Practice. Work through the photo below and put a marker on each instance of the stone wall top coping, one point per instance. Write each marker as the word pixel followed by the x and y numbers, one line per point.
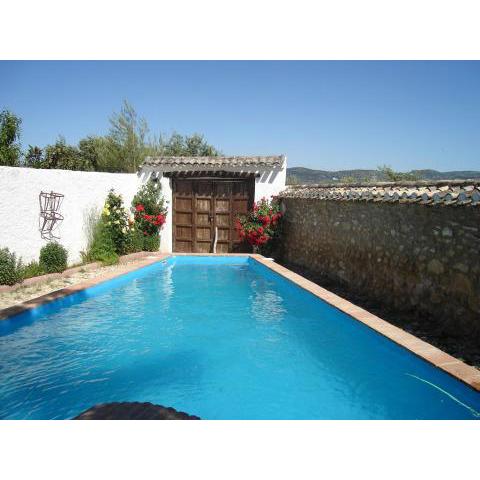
pixel 442 193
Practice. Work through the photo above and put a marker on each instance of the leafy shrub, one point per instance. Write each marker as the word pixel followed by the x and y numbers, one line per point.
pixel 33 269
pixel 102 248
pixel 106 258
pixel 150 213
pixel 134 241
pixel 53 258
pixel 261 226
pixel 151 244
pixel 10 268
pixel 115 218
pixel 110 234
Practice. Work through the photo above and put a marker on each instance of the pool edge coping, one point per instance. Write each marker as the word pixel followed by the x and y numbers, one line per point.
pixel 35 302
pixel 438 358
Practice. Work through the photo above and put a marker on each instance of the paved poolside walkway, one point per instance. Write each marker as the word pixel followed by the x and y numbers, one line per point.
pixel 33 289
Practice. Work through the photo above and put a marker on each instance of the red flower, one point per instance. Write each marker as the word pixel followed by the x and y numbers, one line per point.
pixel 139 208
pixel 265 220
pixel 145 233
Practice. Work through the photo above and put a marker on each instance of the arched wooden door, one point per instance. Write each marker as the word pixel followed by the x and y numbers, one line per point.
pixel 201 205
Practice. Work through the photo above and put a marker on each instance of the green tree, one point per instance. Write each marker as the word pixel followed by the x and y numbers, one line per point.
pixel 128 137
pixel 9 138
pixel 122 150
pixel 34 157
pixel 186 146
pixel 394 176
pixel 90 151
pixel 102 153
pixel 62 156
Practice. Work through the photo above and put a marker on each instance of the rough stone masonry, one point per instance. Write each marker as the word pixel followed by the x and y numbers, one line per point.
pixel 412 246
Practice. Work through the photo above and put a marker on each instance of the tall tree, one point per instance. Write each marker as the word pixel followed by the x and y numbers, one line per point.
pixel 186 146
pixel 128 135
pixel 9 138
pixel 63 156
pixel 91 151
pixel 34 157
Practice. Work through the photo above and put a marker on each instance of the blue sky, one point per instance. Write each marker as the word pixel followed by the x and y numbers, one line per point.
pixel 324 115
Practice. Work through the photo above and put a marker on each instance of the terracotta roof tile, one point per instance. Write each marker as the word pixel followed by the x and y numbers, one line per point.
pixel 444 192
pixel 214 162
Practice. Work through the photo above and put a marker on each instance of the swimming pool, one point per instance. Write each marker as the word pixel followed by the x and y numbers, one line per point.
pixel 217 337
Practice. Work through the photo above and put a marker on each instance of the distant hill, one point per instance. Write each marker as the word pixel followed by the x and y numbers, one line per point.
pixel 301 175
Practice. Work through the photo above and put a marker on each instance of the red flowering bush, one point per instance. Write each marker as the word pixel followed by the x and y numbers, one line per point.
pixel 261 225
pixel 150 213
pixel 149 224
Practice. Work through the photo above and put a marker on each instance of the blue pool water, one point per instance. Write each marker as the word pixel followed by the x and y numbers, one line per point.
pixel 217 337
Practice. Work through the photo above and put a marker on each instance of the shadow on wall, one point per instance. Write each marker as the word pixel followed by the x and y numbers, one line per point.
pixel 269 176
pixel 144 175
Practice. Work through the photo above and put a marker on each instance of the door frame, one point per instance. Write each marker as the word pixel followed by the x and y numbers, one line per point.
pixel 215 178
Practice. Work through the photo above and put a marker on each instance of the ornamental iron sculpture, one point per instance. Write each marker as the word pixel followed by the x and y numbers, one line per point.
pixel 50 218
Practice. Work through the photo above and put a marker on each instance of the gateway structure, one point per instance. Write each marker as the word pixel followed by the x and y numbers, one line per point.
pixel 205 194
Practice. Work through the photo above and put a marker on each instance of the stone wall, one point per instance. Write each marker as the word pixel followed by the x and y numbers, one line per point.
pixel 422 259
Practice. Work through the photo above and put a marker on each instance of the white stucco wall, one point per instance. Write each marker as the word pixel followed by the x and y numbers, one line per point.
pixel 270 182
pixel 19 204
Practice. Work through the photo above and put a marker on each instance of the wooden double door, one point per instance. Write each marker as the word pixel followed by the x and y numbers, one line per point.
pixel 203 206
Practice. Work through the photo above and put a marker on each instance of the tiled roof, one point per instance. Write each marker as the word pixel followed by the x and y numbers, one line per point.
pixel 213 163
pixel 445 192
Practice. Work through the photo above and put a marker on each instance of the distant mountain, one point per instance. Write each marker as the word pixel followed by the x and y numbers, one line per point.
pixel 301 175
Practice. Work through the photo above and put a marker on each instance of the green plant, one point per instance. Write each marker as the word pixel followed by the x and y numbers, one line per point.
pixel 151 244
pixel 9 138
pixel 33 269
pixel 394 176
pixel 34 157
pixel 62 156
pixel 102 248
pixel 134 241
pixel 53 258
pixel 106 258
pixel 10 267
pixel 115 218
pixel 150 212
pixel 261 226
pixel 184 146
pixel 91 217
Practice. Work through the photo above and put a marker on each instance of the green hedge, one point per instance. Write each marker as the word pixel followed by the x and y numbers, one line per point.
pixel 10 268
pixel 53 258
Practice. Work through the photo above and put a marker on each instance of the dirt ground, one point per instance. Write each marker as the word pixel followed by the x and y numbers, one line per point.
pixel 27 292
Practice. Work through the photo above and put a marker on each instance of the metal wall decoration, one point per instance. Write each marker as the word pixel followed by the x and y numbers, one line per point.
pixel 50 218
